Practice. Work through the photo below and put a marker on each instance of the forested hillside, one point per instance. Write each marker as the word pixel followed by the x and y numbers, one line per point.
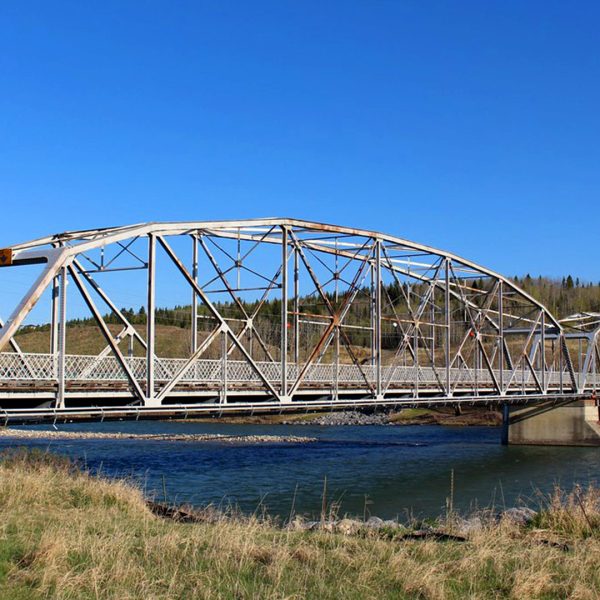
pixel 564 296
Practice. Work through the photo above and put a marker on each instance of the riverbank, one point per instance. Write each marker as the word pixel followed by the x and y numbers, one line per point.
pixel 41 434
pixel 67 534
pixel 445 416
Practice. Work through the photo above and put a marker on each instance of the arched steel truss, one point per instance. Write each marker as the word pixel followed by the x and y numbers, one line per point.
pixel 360 317
pixel 582 332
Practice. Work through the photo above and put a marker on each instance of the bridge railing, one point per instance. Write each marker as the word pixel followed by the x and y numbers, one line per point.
pixel 44 367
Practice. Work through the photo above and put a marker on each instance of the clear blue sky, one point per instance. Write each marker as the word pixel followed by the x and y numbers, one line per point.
pixel 471 126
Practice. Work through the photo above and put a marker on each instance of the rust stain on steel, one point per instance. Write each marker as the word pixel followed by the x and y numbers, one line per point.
pixel 6 257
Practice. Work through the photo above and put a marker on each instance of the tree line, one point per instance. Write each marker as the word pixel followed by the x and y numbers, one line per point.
pixel 563 296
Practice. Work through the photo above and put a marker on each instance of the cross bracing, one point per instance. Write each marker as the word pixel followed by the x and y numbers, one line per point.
pixel 279 312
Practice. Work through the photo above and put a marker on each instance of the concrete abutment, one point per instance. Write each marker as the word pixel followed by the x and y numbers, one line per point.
pixel 576 423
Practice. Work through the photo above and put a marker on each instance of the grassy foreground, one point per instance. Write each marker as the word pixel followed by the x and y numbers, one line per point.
pixel 66 534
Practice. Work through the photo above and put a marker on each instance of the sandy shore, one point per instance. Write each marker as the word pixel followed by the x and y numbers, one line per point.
pixel 7 432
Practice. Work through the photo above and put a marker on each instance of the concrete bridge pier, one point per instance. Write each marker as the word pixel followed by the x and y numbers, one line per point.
pixel 574 423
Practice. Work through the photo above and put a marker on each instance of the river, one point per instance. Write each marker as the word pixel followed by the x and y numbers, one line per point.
pixel 388 471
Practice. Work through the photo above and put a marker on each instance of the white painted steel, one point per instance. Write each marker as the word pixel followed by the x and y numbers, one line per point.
pixel 81 368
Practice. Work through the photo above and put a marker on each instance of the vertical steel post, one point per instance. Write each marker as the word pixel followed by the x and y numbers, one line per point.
pixel 238 262
pixel 54 318
pixel 336 362
pixel 477 357
pixel 372 300
pixel 595 358
pixel 284 310
pixel 150 329
pixel 543 352
pixel 447 323
pixel 62 338
pixel 501 338
pixel 416 352
pixel 561 366
pixel 224 366
pixel 579 364
pixel 433 331
pixel 336 366
pixel 378 316
pixel 296 308
pixel 194 340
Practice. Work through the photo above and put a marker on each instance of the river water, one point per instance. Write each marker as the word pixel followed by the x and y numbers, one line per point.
pixel 388 471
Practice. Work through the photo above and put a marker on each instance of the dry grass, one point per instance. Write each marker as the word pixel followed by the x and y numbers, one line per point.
pixel 66 534
pixel 477 415
pixel 171 341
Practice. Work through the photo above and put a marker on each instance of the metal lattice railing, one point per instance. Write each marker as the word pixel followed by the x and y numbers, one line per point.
pixel 44 367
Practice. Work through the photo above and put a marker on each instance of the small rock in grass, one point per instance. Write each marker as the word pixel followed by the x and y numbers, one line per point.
pixel 466 526
pixel 519 516
pixel 296 524
pixel 391 524
pixel 375 523
pixel 348 526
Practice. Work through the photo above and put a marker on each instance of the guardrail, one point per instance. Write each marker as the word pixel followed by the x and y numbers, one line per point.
pixel 81 368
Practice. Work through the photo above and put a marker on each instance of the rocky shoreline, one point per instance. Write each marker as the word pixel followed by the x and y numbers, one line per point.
pixel 162 437
pixel 455 524
pixel 441 416
pixel 452 526
pixel 345 418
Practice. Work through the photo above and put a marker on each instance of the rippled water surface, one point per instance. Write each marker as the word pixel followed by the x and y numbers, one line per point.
pixel 387 470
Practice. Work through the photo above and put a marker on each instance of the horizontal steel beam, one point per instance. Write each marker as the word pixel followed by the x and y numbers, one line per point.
pixel 190 410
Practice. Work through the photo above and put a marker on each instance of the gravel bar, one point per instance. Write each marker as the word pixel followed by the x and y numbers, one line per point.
pixel 161 437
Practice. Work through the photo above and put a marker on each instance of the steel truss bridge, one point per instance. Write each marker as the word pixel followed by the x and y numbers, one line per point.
pixel 276 314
